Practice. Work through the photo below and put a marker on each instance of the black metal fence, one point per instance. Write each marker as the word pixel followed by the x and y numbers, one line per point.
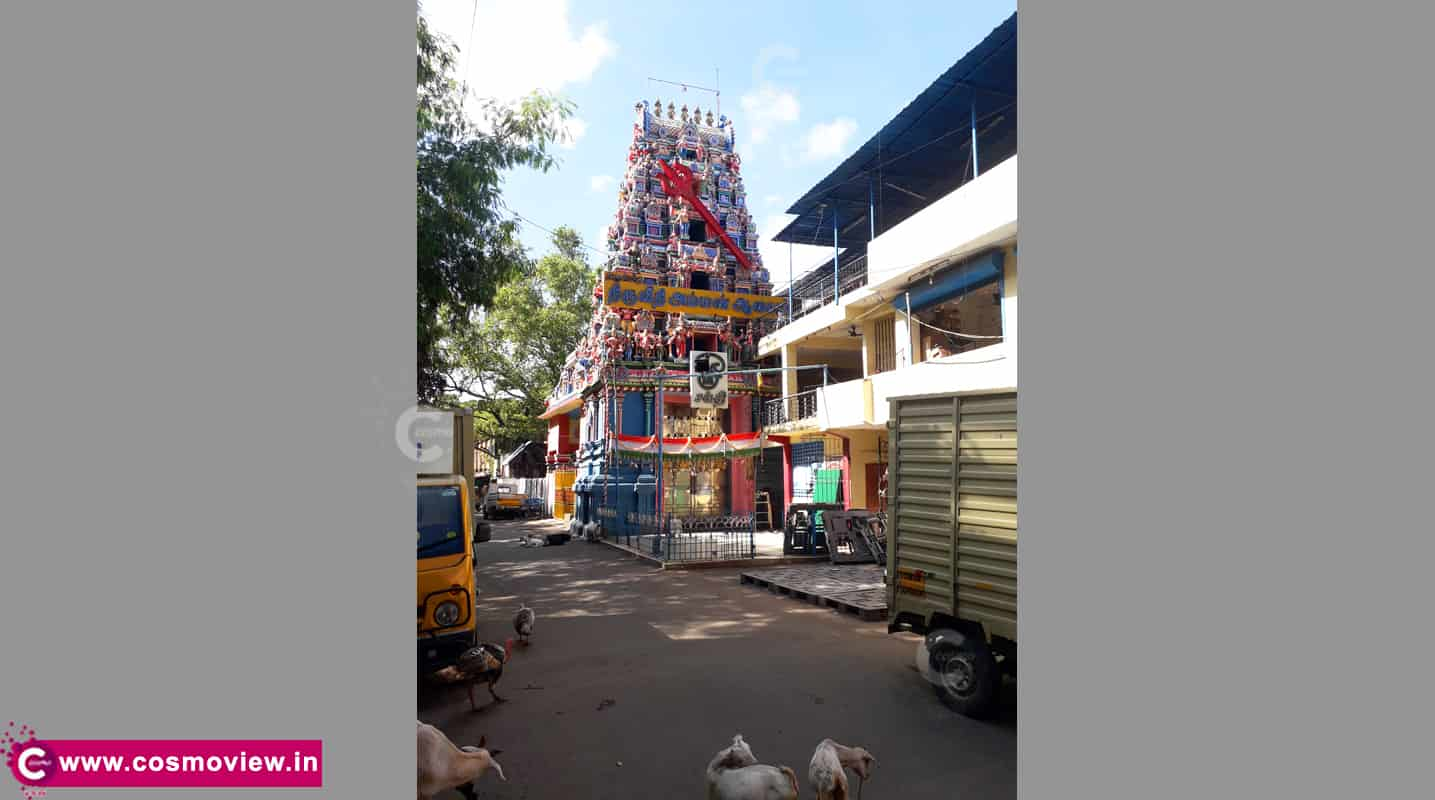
pixel 683 535
pixel 715 537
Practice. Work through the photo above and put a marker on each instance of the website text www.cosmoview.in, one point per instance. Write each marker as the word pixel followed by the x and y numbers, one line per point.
pixel 167 763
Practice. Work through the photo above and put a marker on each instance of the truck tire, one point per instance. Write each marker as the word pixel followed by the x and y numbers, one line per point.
pixel 965 674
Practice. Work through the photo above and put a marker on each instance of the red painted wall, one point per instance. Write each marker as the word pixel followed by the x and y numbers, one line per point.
pixel 740 478
pixel 561 438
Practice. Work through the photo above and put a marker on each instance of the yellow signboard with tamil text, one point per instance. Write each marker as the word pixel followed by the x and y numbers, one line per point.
pixel 670 300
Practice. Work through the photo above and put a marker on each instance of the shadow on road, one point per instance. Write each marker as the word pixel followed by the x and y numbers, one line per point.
pixel 658 669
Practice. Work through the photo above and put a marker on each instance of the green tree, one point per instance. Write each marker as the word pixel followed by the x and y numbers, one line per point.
pixel 466 246
pixel 505 366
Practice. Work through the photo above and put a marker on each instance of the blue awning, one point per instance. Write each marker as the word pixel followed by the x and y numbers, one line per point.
pixel 964 277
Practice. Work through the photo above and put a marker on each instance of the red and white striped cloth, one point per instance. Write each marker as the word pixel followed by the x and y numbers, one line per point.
pixel 737 444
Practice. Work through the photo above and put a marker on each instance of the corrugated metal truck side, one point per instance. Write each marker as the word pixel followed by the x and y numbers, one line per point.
pixel 449 431
pixel 952 553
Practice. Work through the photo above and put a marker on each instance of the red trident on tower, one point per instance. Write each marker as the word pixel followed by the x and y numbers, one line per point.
pixel 678 181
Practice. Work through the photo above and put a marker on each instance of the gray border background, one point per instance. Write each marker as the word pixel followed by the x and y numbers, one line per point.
pixel 206 321
pixel 1224 400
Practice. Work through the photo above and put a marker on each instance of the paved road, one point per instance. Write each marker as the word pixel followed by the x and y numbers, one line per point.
pixel 657 670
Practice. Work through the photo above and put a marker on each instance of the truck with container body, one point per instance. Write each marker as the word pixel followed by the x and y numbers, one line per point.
pixel 952 540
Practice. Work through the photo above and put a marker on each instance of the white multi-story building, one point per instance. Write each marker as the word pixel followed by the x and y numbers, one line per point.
pixel 920 296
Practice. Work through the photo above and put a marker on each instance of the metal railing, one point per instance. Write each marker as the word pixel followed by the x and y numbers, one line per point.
pixel 683 536
pixel 816 289
pixel 793 408
pixel 853 275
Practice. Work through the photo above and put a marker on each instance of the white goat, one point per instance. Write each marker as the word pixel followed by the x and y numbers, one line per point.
pixel 829 780
pixel 734 774
pixel 443 765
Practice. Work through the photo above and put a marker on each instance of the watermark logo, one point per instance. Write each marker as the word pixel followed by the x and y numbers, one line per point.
pixel 31 761
pixel 424 435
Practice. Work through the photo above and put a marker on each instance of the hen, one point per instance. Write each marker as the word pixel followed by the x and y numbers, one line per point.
pixel 523 623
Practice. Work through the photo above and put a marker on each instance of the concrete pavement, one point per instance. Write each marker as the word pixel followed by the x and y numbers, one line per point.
pixel 636 677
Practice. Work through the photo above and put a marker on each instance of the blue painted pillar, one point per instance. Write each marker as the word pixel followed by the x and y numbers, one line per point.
pixel 975 170
pixel 634 414
pixel 871 210
pixel 608 448
pixel 658 429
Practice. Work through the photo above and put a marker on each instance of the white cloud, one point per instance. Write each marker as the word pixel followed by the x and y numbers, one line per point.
pixel 601 183
pixel 772 200
pixel 766 108
pixel 519 45
pixel 599 241
pixel 773 224
pixel 776 255
pixel 828 139
pixel 573 130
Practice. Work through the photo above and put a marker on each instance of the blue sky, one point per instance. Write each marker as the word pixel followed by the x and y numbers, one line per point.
pixel 804 83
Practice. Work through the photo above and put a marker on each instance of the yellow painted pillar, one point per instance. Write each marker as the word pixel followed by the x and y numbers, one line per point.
pixel 789 376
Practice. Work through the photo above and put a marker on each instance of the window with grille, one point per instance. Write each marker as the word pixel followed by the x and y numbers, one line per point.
pixel 884 357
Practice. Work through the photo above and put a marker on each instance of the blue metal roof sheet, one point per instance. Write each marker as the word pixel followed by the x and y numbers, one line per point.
pixel 923 153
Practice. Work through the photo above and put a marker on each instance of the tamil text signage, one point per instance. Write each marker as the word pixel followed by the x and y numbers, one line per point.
pixel 670 300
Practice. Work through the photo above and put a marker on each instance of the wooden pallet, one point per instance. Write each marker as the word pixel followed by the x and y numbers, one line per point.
pixel 855 589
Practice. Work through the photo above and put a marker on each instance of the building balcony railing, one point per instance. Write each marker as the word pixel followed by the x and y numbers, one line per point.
pixel 794 408
pixel 817 289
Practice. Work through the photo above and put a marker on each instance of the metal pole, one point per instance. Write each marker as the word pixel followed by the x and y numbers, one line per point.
pixel 658 430
pixel 835 290
pixel 608 450
pixel 871 210
pixel 789 281
pixel 907 310
pixel 974 138
pixel 1001 295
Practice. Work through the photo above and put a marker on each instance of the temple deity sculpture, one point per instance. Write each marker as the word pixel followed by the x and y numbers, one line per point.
pixel 678 336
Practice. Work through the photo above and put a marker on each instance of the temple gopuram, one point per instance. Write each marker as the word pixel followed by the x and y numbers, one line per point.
pixel 683 276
